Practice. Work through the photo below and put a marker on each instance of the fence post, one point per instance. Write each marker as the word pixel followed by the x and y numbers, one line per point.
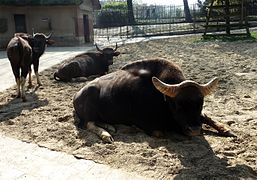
pixel 108 33
pixel 194 17
pixel 120 32
pixel 127 31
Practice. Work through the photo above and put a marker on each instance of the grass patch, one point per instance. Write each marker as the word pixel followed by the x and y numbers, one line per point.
pixel 231 37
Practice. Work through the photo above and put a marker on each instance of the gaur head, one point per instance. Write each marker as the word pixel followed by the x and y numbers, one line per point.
pixel 108 53
pixel 38 42
pixel 186 102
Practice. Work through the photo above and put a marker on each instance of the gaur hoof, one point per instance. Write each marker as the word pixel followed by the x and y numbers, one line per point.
pixel 228 133
pixel 107 138
pixel 224 131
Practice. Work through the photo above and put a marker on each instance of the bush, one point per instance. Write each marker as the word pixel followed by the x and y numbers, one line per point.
pixel 112 18
pixel 115 6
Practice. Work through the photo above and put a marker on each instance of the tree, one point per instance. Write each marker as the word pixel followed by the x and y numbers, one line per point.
pixel 187 12
pixel 131 19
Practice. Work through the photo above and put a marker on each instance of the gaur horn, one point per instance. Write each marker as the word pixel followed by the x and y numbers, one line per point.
pixel 98 49
pixel 166 89
pixel 33 33
pixel 49 35
pixel 207 88
pixel 172 90
pixel 116 47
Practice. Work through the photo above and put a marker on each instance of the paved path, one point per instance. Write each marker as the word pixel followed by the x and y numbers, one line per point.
pixel 20 160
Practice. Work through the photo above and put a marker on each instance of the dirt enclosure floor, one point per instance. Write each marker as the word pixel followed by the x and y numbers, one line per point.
pixel 47 119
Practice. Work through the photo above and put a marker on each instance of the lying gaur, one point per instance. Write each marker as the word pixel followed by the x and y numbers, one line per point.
pixel 150 94
pixel 86 64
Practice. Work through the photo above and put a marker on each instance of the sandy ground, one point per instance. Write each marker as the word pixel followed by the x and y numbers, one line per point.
pixel 47 119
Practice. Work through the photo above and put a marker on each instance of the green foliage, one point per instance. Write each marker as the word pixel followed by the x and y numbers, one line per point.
pixel 111 18
pixel 116 5
pixel 232 37
pixel 254 35
pixel 219 2
pixel 112 14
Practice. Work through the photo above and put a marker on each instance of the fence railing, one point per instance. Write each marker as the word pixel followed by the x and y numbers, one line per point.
pixel 156 20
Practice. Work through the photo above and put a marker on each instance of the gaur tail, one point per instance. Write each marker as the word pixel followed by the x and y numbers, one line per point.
pixel 56 77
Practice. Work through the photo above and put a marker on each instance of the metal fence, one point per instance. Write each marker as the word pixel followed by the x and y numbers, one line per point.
pixel 155 20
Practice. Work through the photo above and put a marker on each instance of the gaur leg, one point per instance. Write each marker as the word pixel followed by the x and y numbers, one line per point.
pixel 79 79
pixel 23 81
pixel 24 72
pixel 221 128
pixel 30 78
pixel 103 134
pixel 16 73
pixel 38 80
pixel 18 87
pixel 35 66
pixel 85 103
pixel 106 126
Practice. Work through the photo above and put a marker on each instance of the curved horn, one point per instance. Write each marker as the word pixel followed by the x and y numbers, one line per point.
pixel 33 33
pixel 166 89
pixel 116 47
pixel 172 90
pixel 49 35
pixel 207 88
pixel 98 49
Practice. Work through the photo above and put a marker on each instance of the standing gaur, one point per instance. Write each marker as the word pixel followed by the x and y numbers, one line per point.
pixel 87 64
pixel 151 94
pixel 23 50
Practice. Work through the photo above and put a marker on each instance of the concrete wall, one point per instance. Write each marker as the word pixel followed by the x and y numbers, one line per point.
pixel 66 22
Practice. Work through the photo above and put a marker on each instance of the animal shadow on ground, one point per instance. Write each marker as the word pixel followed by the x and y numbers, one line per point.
pixel 198 159
pixel 11 107
pixel 201 162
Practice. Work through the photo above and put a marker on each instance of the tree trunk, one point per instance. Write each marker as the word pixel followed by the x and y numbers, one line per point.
pixel 187 12
pixel 131 19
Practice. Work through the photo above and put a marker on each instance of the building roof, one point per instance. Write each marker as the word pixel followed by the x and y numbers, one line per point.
pixel 95 3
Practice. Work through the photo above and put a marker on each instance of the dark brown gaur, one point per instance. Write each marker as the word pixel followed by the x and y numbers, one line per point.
pixel 153 95
pixel 86 64
pixel 38 44
pixel 23 50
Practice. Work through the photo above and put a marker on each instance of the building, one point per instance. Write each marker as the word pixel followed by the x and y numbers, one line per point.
pixel 70 20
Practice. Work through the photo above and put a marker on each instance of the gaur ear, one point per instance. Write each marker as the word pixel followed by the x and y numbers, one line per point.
pixel 50 41
pixel 116 53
